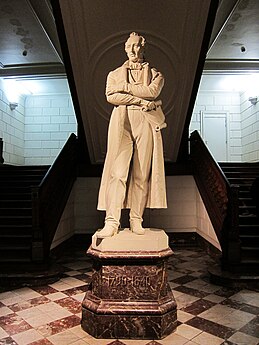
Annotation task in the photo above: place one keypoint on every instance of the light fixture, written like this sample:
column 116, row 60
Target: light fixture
column 13, row 105
column 253, row 100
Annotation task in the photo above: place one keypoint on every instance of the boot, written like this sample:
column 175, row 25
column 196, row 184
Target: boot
column 136, row 227
column 108, row 231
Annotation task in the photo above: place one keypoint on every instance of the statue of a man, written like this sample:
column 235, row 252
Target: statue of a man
column 133, row 175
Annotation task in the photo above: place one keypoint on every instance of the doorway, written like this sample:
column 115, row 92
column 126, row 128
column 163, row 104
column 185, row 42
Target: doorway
column 214, row 130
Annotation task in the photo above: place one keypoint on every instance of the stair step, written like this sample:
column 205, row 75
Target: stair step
column 15, row 220
column 252, row 229
column 17, row 184
column 26, row 168
column 14, row 189
column 249, row 240
column 16, row 241
column 18, row 260
column 250, row 252
column 10, row 235
column 21, row 211
column 4, row 196
column 241, row 175
column 247, row 207
column 241, row 165
column 246, row 202
column 250, row 262
column 15, row 230
column 250, row 219
column 247, row 181
column 23, row 203
column 19, row 177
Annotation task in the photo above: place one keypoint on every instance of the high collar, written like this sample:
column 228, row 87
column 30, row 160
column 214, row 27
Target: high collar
column 135, row 65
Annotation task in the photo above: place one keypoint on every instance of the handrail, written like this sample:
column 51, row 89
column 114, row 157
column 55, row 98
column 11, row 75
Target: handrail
column 50, row 197
column 220, row 198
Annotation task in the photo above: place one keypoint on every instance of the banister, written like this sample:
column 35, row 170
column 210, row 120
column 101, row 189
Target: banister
column 57, row 160
column 220, row 198
column 50, row 197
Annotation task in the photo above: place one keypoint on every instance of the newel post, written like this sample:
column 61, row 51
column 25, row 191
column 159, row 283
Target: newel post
column 37, row 235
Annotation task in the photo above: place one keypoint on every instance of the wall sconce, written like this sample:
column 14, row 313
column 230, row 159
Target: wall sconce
column 253, row 100
column 13, row 105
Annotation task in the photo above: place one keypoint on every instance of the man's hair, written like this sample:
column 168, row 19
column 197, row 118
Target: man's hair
column 142, row 40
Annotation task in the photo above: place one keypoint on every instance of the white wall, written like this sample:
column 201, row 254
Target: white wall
column 185, row 212
column 250, row 129
column 221, row 102
column 37, row 129
column 12, row 129
column 66, row 225
column 49, row 121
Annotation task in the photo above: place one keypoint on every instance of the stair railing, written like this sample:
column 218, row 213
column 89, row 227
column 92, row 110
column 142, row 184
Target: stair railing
column 50, row 197
column 220, row 199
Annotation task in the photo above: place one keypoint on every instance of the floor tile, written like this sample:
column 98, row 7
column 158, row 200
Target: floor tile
column 190, row 291
column 198, row 307
column 55, row 296
column 252, row 327
column 214, row 298
column 5, row 311
column 174, row 339
column 240, row 338
column 58, row 325
column 62, row 338
column 211, row 327
column 182, row 316
column 3, row 333
column 187, row 331
column 206, row 338
column 207, row 314
column 246, row 296
column 72, row 273
column 13, row 324
column 184, row 300
column 27, row 337
column 8, row 341
column 217, row 313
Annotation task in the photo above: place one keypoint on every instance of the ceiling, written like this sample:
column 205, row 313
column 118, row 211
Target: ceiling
column 234, row 45
column 30, row 46
column 30, row 52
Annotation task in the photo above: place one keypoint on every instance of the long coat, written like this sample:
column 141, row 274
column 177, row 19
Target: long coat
column 120, row 93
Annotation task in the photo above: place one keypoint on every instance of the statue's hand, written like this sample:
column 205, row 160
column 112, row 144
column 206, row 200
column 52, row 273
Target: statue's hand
column 149, row 106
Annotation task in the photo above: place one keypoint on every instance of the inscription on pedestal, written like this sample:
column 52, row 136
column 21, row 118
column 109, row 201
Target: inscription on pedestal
column 135, row 281
column 130, row 282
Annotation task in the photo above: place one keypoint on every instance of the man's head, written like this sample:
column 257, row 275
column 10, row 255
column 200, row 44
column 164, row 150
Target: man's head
column 134, row 47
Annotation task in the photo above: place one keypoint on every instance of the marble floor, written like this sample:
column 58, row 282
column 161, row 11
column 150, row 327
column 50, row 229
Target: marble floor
column 207, row 314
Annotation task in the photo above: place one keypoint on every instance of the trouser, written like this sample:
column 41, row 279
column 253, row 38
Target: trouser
column 136, row 145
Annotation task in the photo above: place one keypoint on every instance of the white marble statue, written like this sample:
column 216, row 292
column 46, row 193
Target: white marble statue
column 133, row 175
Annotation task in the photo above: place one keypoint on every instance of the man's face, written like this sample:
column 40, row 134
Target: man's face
column 134, row 49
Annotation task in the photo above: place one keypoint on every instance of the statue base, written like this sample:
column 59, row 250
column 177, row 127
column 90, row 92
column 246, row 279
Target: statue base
column 129, row 296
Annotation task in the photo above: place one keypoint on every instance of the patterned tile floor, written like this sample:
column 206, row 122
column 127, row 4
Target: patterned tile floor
column 207, row 314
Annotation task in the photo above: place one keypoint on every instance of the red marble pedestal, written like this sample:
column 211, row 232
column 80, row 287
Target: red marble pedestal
column 129, row 296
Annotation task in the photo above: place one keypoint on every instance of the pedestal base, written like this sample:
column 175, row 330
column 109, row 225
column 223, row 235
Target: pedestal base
column 129, row 296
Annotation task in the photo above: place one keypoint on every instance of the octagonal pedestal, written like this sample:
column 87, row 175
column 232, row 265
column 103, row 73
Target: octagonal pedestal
column 129, row 296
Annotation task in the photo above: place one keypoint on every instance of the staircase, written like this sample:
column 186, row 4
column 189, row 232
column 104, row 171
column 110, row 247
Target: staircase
column 243, row 175
column 16, row 212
